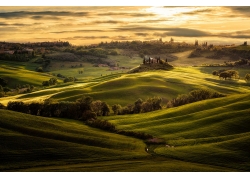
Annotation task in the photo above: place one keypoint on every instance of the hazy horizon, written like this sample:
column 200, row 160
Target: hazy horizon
column 83, row 25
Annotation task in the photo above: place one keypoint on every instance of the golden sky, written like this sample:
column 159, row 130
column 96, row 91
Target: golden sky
column 82, row 25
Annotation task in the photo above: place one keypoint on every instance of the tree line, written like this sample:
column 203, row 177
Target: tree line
column 229, row 74
column 86, row 108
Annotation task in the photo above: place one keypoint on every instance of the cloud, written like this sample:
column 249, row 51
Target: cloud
column 126, row 14
column 195, row 12
column 166, row 31
column 107, row 22
column 86, row 37
column 184, row 32
column 22, row 14
column 142, row 34
column 38, row 17
column 8, row 29
column 121, row 38
column 3, row 24
column 78, row 31
column 245, row 34
column 90, row 37
column 154, row 20
column 244, row 10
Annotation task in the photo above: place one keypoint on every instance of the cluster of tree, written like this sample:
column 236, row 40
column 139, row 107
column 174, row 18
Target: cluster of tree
column 15, row 57
column 3, row 91
column 60, row 76
column 220, row 52
column 97, row 52
column 3, row 87
column 25, row 88
column 69, row 79
column 2, row 106
column 193, row 96
column 3, row 82
column 44, row 64
column 15, row 89
column 84, row 108
column 50, row 82
column 80, row 71
column 139, row 106
column 148, row 47
column 247, row 77
column 226, row 74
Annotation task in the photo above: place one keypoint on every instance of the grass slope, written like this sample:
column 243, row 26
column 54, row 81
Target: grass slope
column 22, row 76
column 214, row 132
column 31, row 143
column 127, row 88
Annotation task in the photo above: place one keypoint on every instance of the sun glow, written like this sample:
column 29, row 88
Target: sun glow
column 170, row 12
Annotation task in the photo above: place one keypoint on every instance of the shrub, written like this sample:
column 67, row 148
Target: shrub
column 87, row 115
column 193, row 96
column 45, row 83
column 18, row 106
column 2, row 106
column 139, row 135
column 39, row 69
column 247, row 77
column 116, row 108
column 101, row 124
column 69, row 79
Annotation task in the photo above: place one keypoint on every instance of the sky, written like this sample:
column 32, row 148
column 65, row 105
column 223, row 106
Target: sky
column 85, row 25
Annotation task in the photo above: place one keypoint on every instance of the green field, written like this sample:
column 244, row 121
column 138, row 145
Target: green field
column 209, row 135
column 30, row 143
column 214, row 132
column 22, row 76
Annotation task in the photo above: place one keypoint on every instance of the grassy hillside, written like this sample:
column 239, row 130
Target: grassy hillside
column 31, row 143
column 15, row 75
column 214, row 132
column 127, row 88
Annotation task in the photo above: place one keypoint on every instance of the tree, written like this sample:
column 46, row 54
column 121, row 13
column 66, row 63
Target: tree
column 2, row 106
column 105, row 109
column 1, row 91
column 171, row 40
column 18, row 106
column 88, row 115
column 229, row 74
column 45, row 83
column 84, row 104
column 3, row 82
column 97, row 107
column 69, row 79
column 40, row 69
column 247, row 77
column 116, row 108
column 35, row 108
column 138, row 106
column 52, row 81
column 6, row 89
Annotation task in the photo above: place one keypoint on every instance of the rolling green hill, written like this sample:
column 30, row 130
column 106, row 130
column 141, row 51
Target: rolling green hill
column 210, row 135
column 214, row 132
column 31, row 143
column 127, row 88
